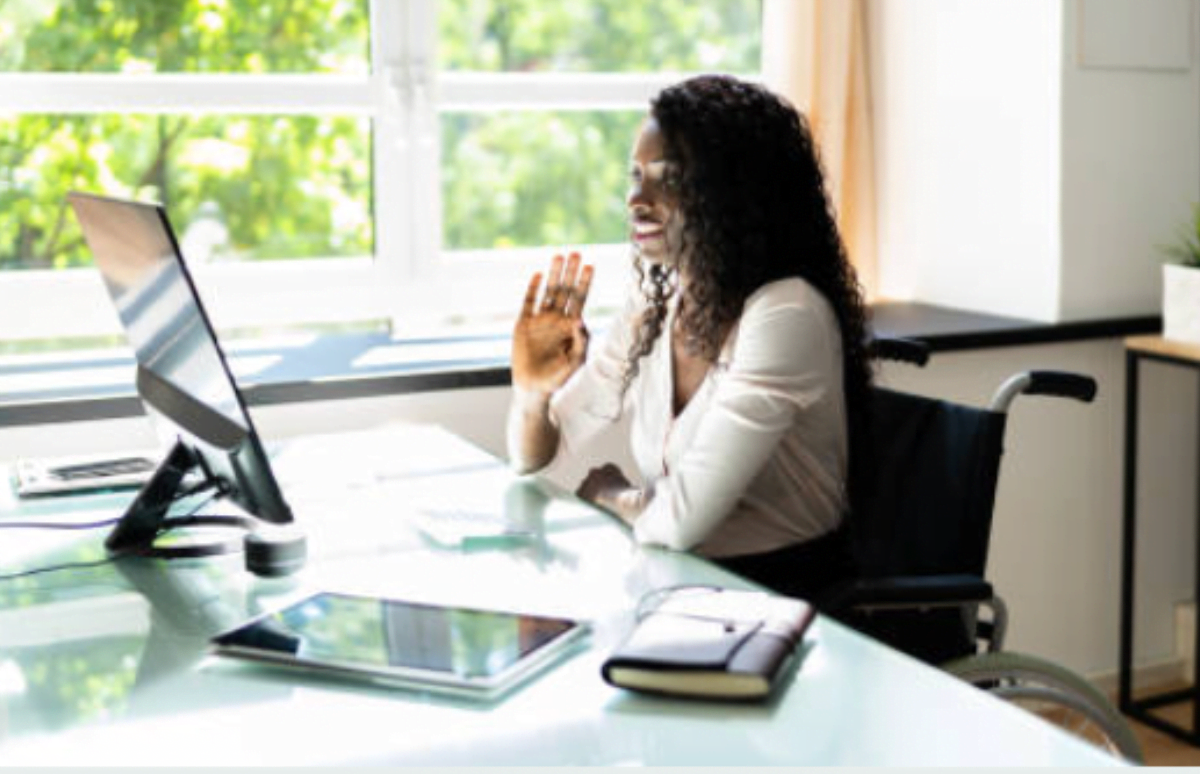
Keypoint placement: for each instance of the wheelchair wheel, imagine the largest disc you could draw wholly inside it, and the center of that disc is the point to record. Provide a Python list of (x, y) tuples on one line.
[(1054, 694)]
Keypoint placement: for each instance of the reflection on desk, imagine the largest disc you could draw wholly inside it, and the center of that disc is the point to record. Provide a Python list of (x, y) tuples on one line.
[(106, 667)]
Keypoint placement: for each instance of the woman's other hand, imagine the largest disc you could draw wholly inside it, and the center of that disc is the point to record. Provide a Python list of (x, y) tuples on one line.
[(550, 340), (608, 488)]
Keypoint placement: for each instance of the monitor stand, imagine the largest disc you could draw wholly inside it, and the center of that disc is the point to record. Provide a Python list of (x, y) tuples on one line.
[(143, 530)]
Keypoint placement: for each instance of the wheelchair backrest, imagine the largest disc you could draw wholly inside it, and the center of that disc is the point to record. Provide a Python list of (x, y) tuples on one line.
[(924, 500)]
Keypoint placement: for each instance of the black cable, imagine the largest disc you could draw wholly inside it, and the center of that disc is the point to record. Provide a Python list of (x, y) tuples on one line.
[(177, 522)]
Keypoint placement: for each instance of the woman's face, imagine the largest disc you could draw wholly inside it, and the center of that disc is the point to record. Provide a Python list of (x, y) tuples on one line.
[(656, 222)]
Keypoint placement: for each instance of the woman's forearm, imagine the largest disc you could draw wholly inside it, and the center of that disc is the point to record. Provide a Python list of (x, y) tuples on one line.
[(532, 437)]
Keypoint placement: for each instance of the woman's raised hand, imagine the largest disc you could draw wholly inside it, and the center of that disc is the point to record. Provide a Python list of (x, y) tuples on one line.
[(550, 340)]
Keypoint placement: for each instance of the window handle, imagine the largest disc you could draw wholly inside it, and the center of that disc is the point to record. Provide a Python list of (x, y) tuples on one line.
[(395, 88), (419, 81), (408, 85), (420, 87)]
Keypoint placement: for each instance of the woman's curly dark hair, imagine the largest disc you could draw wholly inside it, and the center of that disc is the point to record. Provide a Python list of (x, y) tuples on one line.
[(755, 209)]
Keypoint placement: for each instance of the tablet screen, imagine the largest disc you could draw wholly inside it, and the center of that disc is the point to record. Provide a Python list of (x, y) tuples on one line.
[(377, 635)]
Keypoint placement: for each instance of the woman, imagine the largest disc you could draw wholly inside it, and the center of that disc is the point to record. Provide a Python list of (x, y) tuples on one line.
[(740, 357)]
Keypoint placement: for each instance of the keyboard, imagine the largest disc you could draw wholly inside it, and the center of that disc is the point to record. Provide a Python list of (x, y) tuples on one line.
[(65, 475)]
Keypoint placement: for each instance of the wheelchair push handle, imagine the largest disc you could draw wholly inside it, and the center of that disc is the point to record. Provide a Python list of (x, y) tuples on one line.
[(1063, 384)]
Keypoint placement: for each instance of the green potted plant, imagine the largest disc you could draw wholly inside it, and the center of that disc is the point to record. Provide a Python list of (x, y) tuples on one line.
[(1181, 283)]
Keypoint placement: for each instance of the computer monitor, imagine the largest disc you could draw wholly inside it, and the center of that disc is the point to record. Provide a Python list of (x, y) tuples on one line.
[(183, 380)]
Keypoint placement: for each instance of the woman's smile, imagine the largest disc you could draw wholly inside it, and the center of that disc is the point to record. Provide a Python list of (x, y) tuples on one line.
[(645, 232)]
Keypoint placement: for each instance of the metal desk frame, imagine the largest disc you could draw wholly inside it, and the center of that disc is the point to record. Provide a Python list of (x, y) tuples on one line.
[(1160, 350)]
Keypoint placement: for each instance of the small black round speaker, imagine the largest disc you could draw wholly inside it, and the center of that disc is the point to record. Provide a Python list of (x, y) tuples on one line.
[(275, 552)]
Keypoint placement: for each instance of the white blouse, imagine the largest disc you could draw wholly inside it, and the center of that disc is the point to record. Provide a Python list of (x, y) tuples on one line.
[(757, 460)]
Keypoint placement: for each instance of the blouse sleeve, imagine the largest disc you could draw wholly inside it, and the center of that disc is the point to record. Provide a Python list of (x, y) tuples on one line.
[(787, 356)]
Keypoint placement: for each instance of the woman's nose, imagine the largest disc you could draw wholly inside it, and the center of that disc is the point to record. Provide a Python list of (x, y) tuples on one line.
[(638, 196)]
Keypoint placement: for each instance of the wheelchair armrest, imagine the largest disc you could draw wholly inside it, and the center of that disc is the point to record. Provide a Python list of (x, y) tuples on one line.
[(899, 350), (928, 591)]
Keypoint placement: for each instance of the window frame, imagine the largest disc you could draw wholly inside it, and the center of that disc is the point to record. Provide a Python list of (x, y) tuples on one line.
[(410, 279)]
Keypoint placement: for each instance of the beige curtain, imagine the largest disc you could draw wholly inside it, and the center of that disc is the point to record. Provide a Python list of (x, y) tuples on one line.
[(815, 54)]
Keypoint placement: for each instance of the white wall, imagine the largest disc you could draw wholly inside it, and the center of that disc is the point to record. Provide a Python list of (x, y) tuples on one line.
[(1032, 155), (966, 108), (1130, 149)]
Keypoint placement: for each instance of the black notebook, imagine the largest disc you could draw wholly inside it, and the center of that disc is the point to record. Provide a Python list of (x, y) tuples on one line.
[(711, 643)]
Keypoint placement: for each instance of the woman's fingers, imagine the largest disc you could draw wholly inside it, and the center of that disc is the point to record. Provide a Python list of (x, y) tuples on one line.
[(531, 293), (551, 300), (579, 292), (567, 286), (576, 281)]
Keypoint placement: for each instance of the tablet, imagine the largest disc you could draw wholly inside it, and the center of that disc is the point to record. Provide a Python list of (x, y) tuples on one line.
[(454, 650)]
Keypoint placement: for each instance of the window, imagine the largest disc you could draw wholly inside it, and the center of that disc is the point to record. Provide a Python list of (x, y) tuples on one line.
[(338, 161)]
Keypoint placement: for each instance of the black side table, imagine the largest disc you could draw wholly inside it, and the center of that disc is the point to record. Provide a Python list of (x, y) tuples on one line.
[(1137, 349)]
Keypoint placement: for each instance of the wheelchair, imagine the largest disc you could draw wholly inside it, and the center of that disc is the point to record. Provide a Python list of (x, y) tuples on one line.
[(922, 497)]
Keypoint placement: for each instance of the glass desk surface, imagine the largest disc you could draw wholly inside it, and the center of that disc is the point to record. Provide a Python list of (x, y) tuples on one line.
[(107, 666)]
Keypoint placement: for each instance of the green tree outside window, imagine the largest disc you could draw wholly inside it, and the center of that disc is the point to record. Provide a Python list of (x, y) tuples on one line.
[(294, 187)]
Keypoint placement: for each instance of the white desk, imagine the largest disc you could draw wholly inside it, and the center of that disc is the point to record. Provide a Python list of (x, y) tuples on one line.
[(106, 666)]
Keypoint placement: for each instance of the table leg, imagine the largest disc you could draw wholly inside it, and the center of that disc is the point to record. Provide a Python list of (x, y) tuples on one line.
[(1125, 673), (1195, 607)]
